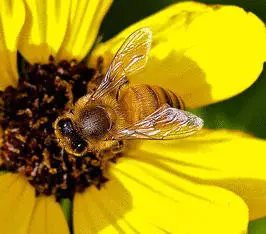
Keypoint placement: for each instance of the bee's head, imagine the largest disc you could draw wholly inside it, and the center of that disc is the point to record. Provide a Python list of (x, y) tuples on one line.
[(69, 137), (75, 130)]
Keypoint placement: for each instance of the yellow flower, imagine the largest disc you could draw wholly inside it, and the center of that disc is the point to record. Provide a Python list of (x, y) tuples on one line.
[(213, 182)]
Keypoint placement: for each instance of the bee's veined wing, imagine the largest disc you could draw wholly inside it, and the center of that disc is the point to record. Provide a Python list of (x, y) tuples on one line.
[(165, 123), (130, 58)]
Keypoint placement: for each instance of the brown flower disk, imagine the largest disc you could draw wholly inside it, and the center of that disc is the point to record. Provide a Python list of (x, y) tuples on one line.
[(29, 145)]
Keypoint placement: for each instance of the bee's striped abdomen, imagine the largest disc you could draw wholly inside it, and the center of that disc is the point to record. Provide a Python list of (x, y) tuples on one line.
[(140, 100), (167, 96)]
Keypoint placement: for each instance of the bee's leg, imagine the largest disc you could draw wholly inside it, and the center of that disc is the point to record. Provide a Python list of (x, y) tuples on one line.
[(117, 151), (98, 77), (94, 83), (112, 152), (99, 65), (90, 91), (118, 147)]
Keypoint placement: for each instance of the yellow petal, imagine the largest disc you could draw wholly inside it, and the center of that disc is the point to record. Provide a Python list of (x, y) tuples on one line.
[(17, 199), (12, 16), (203, 53), (84, 22), (143, 198), (48, 217), (228, 159), (44, 29)]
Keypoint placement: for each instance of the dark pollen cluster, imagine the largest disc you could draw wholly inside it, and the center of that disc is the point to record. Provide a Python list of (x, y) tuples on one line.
[(29, 145)]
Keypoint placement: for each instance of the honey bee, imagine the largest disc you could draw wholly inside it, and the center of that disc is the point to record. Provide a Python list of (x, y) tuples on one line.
[(117, 110)]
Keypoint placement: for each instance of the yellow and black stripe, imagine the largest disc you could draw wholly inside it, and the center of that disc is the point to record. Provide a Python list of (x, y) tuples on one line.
[(140, 100)]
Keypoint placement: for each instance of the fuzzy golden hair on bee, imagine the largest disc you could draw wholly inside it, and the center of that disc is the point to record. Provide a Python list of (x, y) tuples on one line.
[(115, 110), (91, 122), (110, 106)]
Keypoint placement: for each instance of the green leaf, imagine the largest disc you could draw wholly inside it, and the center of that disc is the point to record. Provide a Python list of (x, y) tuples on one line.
[(257, 226), (67, 207)]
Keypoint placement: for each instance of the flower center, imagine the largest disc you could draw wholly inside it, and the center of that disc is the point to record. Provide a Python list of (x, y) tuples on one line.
[(29, 145)]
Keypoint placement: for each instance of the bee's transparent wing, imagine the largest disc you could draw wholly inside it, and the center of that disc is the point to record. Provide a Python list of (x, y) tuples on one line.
[(165, 123), (130, 58)]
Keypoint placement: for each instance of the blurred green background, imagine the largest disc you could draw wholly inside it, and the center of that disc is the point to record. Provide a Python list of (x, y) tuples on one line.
[(246, 111)]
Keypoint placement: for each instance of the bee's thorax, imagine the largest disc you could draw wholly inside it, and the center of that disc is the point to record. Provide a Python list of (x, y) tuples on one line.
[(94, 122)]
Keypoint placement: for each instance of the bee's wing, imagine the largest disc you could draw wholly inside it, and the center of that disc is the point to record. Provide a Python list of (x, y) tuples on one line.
[(165, 123), (130, 58)]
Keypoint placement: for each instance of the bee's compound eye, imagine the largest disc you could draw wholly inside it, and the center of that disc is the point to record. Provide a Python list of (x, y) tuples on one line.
[(65, 126), (73, 140), (79, 146)]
